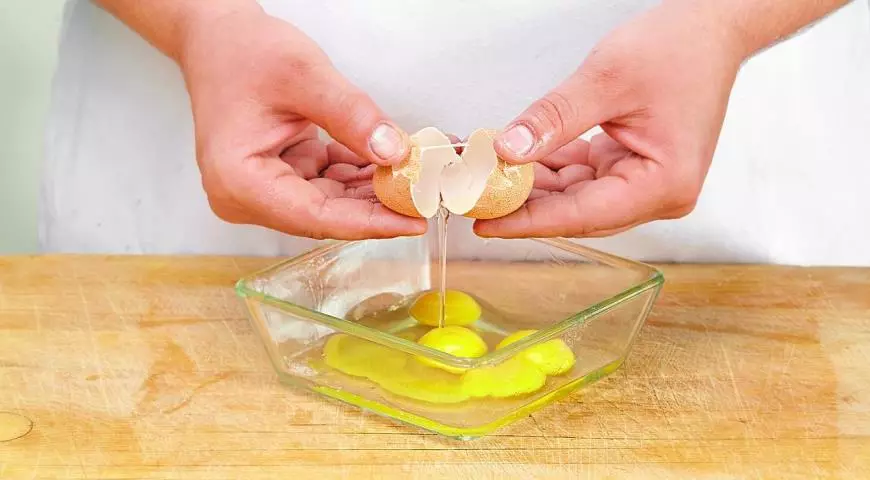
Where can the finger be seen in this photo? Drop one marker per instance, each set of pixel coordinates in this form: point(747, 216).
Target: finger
point(362, 192)
point(575, 152)
point(276, 198)
point(366, 173)
point(559, 117)
point(557, 181)
point(335, 189)
point(351, 117)
point(338, 153)
point(605, 152)
point(538, 193)
point(307, 157)
point(608, 203)
point(350, 218)
point(349, 174)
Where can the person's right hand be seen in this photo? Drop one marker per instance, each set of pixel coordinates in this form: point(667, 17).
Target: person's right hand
point(259, 88)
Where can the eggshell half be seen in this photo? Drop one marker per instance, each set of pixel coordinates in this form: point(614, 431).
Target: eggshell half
point(482, 185)
point(411, 188)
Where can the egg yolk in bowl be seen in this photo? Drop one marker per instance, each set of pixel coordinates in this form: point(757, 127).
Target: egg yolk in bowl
point(460, 309)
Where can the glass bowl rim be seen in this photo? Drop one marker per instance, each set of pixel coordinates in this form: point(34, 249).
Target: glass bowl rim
point(653, 281)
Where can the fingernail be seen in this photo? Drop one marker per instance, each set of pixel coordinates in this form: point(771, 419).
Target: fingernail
point(519, 139)
point(386, 142)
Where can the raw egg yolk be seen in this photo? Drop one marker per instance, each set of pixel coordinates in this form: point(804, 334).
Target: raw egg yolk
point(459, 308)
point(552, 357)
point(391, 370)
point(455, 340)
point(513, 377)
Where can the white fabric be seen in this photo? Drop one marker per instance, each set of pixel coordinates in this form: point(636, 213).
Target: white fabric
point(789, 182)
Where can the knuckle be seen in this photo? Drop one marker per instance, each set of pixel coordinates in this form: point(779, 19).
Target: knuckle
point(299, 73)
point(353, 113)
point(607, 79)
point(556, 113)
point(603, 75)
point(301, 68)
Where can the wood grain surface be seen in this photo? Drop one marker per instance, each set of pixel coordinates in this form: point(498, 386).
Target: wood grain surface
point(142, 367)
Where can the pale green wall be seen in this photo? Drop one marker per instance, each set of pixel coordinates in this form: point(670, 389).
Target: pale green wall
point(28, 44)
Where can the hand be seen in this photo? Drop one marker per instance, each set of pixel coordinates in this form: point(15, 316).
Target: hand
point(259, 88)
point(658, 86)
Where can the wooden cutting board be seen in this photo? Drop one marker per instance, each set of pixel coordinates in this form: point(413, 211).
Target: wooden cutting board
point(138, 367)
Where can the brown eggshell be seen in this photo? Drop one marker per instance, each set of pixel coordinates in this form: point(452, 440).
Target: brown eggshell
point(507, 189)
point(392, 185)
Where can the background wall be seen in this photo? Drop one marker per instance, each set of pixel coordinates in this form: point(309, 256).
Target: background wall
point(28, 36)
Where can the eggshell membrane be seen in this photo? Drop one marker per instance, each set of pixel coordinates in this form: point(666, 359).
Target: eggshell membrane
point(426, 192)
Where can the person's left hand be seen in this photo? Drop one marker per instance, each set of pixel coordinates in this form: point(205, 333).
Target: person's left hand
point(658, 87)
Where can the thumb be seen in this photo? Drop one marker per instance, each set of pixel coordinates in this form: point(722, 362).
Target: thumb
point(554, 120)
point(353, 119)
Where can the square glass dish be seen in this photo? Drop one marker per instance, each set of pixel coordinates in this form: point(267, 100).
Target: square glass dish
point(345, 320)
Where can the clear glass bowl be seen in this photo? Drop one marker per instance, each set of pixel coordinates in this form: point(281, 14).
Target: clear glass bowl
point(337, 320)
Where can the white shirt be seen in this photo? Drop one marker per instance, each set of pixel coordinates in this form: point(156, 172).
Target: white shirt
point(790, 181)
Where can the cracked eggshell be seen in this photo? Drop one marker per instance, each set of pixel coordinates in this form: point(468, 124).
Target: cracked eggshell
point(478, 184)
point(411, 188)
point(497, 187)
